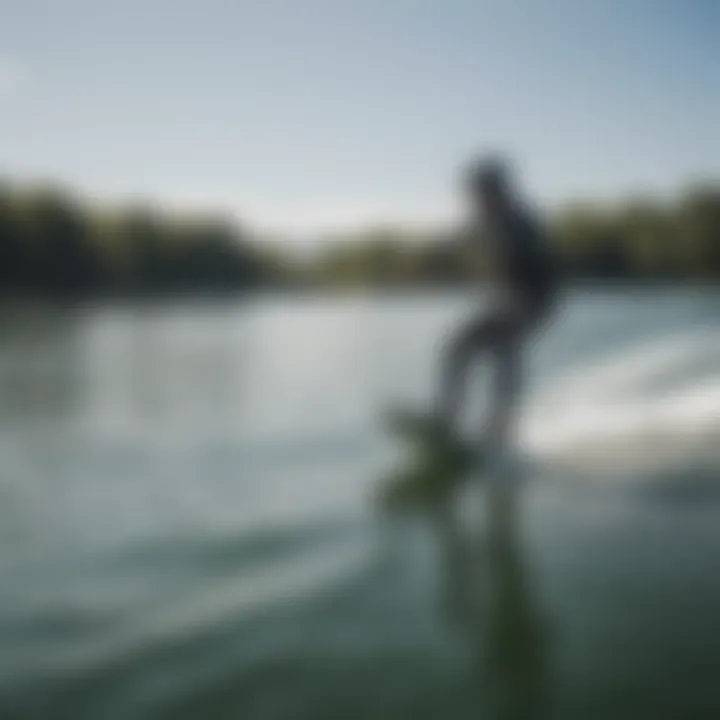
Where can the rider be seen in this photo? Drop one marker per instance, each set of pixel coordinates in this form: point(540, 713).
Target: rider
point(513, 245)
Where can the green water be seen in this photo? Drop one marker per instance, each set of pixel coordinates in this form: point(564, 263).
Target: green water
point(186, 532)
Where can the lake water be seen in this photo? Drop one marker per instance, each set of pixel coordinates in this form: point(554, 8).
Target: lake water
point(186, 528)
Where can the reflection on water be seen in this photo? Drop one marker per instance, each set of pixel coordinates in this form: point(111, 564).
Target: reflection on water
point(490, 596)
point(185, 529)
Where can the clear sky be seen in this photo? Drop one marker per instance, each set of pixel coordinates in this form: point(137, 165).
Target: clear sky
point(303, 115)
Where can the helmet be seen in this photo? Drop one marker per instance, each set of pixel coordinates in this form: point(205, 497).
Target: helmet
point(488, 173)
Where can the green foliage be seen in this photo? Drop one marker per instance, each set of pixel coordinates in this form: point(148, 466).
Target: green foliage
point(642, 239)
point(53, 246)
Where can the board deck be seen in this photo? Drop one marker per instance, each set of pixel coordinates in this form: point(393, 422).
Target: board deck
point(436, 463)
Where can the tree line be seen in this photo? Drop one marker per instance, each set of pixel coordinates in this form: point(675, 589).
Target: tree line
point(639, 240)
point(53, 245)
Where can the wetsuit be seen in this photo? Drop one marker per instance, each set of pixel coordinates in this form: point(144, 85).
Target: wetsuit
point(515, 245)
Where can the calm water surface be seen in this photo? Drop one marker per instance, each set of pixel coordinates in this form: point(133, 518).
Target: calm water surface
point(186, 531)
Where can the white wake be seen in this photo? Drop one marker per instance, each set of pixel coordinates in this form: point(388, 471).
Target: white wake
point(608, 415)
